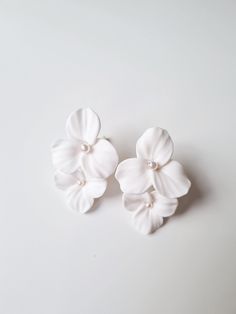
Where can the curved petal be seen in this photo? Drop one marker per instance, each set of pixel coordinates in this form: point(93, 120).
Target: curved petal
point(79, 175)
point(133, 176)
point(83, 124)
point(101, 161)
point(78, 200)
point(95, 187)
point(164, 206)
point(171, 181)
point(155, 144)
point(146, 221)
point(63, 181)
point(134, 202)
point(65, 155)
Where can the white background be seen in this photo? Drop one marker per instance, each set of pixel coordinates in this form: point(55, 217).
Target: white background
point(137, 64)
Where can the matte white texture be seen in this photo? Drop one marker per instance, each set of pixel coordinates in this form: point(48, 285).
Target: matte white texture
point(167, 176)
point(155, 144)
point(102, 161)
point(83, 124)
point(154, 170)
point(99, 160)
point(80, 189)
point(138, 64)
point(83, 162)
point(148, 209)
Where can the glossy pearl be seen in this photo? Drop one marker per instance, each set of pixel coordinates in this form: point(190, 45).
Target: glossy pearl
point(85, 147)
point(81, 182)
point(148, 205)
point(152, 165)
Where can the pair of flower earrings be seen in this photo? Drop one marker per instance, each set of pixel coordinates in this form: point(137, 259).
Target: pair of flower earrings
point(151, 182)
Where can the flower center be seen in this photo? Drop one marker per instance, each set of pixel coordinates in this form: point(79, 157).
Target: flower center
point(152, 165)
point(85, 147)
point(81, 182)
point(148, 205)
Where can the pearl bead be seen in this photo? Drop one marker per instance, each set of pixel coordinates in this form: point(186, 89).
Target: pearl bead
point(152, 165)
point(148, 205)
point(85, 147)
point(81, 182)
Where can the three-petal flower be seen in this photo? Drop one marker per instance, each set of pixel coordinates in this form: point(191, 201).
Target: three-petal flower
point(153, 167)
point(80, 190)
point(82, 148)
point(148, 210)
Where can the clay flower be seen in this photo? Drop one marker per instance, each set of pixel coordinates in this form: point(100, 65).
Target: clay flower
point(153, 167)
point(97, 157)
point(80, 190)
point(148, 210)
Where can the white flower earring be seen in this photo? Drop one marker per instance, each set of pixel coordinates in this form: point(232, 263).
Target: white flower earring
point(82, 161)
point(152, 181)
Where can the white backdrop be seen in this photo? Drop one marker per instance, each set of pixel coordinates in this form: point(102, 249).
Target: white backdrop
point(137, 64)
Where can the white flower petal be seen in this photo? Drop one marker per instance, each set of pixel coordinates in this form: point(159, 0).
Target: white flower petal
point(95, 187)
point(146, 221)
point(134, 202)
point(101, 161)
point(65, 155)
point(155, 144)
point(133, 176)
point(170, 180)
point(64, 181)
point(164, 206)
point(83, 124)
point(79, 175)
point(78, 200)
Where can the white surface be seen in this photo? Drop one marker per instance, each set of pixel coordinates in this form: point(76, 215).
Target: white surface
point(139, 64)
